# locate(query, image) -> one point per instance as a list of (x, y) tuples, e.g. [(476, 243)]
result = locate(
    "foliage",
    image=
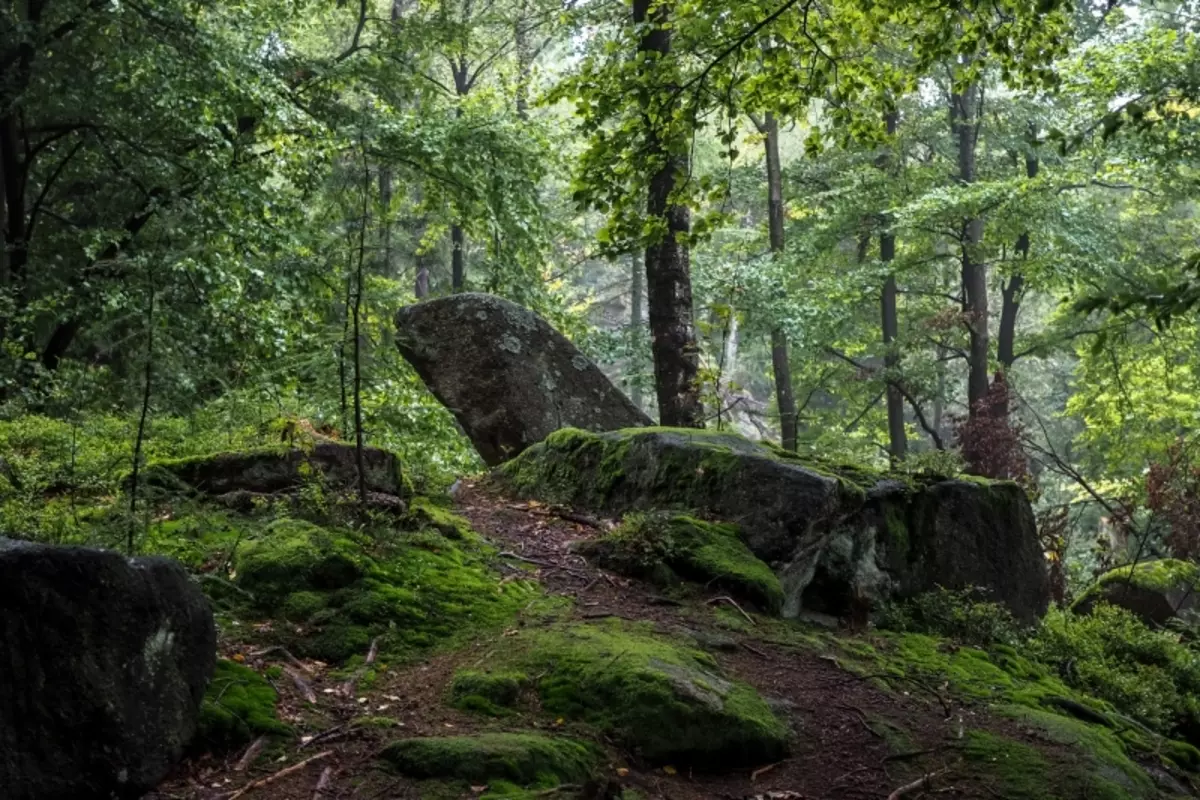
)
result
[(963, 615)]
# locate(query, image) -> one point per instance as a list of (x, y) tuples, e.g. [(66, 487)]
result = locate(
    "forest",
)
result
[(948, 245)]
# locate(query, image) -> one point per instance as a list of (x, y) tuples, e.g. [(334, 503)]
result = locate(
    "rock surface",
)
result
[(280, 469), (507, 376), (1156, 591), (106, 660), (837, 537)]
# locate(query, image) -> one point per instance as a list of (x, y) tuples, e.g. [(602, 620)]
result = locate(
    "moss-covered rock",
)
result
[(239, 706), (661, 699), (1156, 591), (292, 556), (521, 758), (838, 536), (344, 589), (659, 547), (488, 693), (278, 469)]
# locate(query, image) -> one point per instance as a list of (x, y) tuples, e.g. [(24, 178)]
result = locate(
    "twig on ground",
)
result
[(732, 602), (909, 788), (527, 560), (349, 686), (566, 787), (304, 686), (226, 583), (283, 651), (294, 768), (862, 719), (251, 752), (323, 735), (763, 771), (755, 650), (570, 516), (323, 783)]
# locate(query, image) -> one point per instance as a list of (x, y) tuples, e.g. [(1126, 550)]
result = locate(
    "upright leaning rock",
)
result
[(104, 662), (507, 376)]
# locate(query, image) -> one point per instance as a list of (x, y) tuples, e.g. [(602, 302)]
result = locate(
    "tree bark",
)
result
[(458, 268), (780, 356), (524, 54), (964, 110), (897, 437), (668, 278), (1014, 288), (637, 280)]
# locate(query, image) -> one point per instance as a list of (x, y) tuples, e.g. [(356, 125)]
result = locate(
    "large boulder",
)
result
[(507, 376), (1156, 591), (105, 664), (837, 536)]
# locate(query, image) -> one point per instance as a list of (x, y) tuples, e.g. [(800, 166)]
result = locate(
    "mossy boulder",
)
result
[(836, 535), (1156, 591), (270, 470), (239, 706), (342, 589), (509, 378), (668, 547), (663, 700), (521, 758)]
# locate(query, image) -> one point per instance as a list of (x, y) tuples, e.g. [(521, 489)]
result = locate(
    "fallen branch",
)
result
[(284, 652), (251, 752), (304, 686), (527, 560), (283, 773), (570, 516), (909, 788), (754, 650), (862, 719), (763, 771), (323, 783), (732, 602)]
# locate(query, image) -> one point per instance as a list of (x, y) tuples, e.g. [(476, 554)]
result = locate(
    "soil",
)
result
[(845, 743)]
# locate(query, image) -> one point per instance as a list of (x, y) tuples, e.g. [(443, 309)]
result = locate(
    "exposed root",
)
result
[(283, 773)]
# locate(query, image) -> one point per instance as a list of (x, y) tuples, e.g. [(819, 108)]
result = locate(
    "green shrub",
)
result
[(963, 615), (1147, 674)]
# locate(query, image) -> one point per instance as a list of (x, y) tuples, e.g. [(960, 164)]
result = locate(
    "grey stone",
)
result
[(509, 378), (105, 663)]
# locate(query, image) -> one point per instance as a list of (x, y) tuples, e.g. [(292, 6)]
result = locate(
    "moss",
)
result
[(896, 528), (1018, 771), (486, 692), (301, 606), (704, 552), (425, 513), (1160, 575), (522, 758), (239, 706), (374, 722), (668, 702), (294, 555), (1109, 771)]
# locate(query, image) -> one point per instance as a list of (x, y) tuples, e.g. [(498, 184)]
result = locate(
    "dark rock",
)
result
[(1156, 591), (507, 376), (236, 478), (839, 537), (105, 664)]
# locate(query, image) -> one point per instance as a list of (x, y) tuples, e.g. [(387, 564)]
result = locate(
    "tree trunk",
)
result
[(964, 110), (524, 62), (897, 438), (1014, 288), (385, 204), (457, 264), (668, 278), (780, 356), (636, 280)]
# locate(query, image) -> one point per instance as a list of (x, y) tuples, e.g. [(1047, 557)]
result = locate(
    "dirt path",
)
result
[(852, 739)]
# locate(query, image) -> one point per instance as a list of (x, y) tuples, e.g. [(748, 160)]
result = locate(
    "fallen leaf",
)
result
[(622, 772), (669, 770), (239, 658)]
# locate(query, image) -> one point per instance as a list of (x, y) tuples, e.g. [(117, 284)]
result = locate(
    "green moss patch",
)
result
[(425, 513), (489, 693), (659, 547), (520, 758), (1017, 771), (238, 707), (667, 702), (342, 589)]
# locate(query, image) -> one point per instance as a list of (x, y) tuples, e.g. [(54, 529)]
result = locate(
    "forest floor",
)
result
[(854, 737)]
